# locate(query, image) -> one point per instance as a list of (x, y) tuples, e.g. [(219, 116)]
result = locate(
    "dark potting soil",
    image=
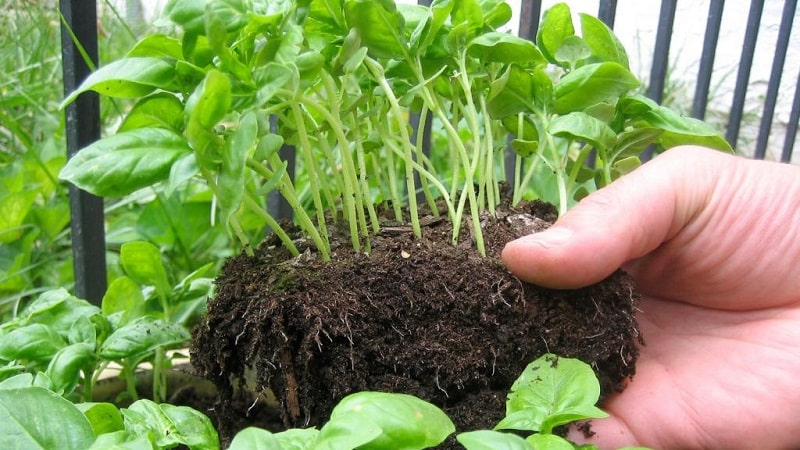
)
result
[(419, 316)]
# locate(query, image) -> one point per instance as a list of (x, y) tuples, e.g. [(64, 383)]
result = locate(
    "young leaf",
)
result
[(209, 103), (407, 422), (297, 438), (556, 26), (160, 110), (104, 417), (513, 92), (573, 52), (492, 440), (592, 84), (252, 438), (26, 421), (123, 297), (604, 44), (505, 48), (231, 174), (172, 425), (348, 431), (158, 46), (552, 391), (34, 342), (65, 368), (679, 130), (548, 442), (123, 163), (380, 26), (128, 78), (141, 337), (583, 127), (142, 262)]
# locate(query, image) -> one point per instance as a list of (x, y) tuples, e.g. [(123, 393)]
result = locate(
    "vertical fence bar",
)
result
[(607, 12), (710, 40), (658, 72), (529, 14), (791, 128), (530, 10), (781, 46), (277, 206), (83, 128), (743, 74)]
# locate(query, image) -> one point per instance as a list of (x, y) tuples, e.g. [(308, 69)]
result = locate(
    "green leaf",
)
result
[(142, 262), (128, 78), (573, 52), (633, 142), (15, 207), (625, 165), (123, 163), (65, 368), (212, 99), (123, 297), (407, 422), (297, 438), (142, 336), (183, 170), (347, 431), (34, 342), (524, 148), (161, 110), (505, 48), (548, 442), (556, 26), (192, 428), (252, 438), (104, 417), (679, 130), (272, 77), (603, 42), (172, 425), (580, 126), (191, 14), (157, 46), (512, 93), (231, 181), (592, 84), (492, 440), (380, 26), (552, 391), (35, 418)]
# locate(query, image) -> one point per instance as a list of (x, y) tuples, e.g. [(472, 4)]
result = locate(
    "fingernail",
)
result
[(549, 238)]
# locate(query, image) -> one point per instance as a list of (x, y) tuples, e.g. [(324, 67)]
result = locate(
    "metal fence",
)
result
[(83, 123)]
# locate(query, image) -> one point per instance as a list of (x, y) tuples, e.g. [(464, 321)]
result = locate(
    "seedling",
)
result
[(219, 95)]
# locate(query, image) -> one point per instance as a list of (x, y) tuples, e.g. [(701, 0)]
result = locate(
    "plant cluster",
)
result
[(337, 80), (67, 343), (551, 391), (35, 247)]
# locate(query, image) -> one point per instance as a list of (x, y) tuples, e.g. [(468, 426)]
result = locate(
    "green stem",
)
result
[(272, 224), (423, 181), (557, 164), (308, 159), (160, 366), (408, 156), (287, 191)]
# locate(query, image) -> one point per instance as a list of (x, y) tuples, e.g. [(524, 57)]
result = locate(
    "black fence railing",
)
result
[(83, 115)]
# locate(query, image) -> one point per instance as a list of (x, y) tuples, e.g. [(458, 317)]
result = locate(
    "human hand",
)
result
[(713, 241)]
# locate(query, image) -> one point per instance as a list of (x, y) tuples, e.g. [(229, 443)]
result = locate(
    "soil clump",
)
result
[(418, 316)]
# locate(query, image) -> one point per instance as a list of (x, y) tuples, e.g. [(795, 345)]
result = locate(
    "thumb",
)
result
[(623, 221)]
